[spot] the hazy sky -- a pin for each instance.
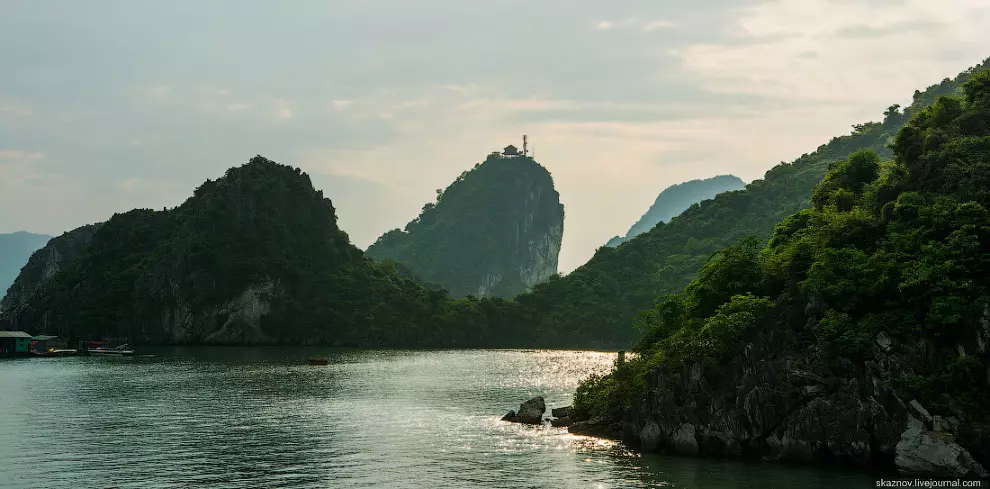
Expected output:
(110, 105)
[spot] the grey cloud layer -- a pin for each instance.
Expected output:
(107, 105)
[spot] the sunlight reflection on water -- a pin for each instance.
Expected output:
(260, 417)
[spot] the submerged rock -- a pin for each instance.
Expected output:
(560, 422)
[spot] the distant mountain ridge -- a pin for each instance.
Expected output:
(494, 232)
(15, 249)
(675, 199)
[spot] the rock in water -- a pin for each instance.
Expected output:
(531, 411)
(922, 452)
(494, 232)
(597, 426)
(561, 412)
(559, 422)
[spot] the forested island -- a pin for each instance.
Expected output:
(494, 232)
(857, 335)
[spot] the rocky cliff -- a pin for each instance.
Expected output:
(781, 400)
(44, 265)
(15, 250)
(495, 231)
(253, 257)
(675, 199)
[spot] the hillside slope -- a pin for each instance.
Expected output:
(675, 199)
(594, 305)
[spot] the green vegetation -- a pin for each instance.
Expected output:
(595, 304)
(161, 276)
(481, 225)
(675, 199)
(145, 273)
(896, 248)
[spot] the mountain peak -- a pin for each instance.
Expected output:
(494, 231)
(677, 198)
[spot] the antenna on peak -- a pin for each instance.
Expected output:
(525, 145)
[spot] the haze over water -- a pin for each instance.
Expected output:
(259, 417)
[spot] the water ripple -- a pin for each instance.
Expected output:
(255, 417)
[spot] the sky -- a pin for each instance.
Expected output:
(110, 105)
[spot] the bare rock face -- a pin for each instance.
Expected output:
(43, 265)
(922, 452)
(776, 401)
(599, 427)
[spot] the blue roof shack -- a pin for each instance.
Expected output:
(14, 343)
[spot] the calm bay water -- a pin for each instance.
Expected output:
(259, 417)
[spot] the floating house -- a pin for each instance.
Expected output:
(14, 343)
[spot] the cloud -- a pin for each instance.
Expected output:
(407, 99)
(18, 167)
(283, 111)
(158, 92)
(222, 92)
(14, 110)
(658, 24)
(863, 51)
(236, 106)
(635, 23)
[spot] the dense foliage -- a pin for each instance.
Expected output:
(480, 226)
(264, 223)
(142, 271)
(595, 304)
(675, 199)
(897, 251)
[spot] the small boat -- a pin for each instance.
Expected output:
(122, 350)
(55, 353)
(318, 361)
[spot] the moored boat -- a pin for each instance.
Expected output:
(318, 361)
(122, 350)
(55, 353)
